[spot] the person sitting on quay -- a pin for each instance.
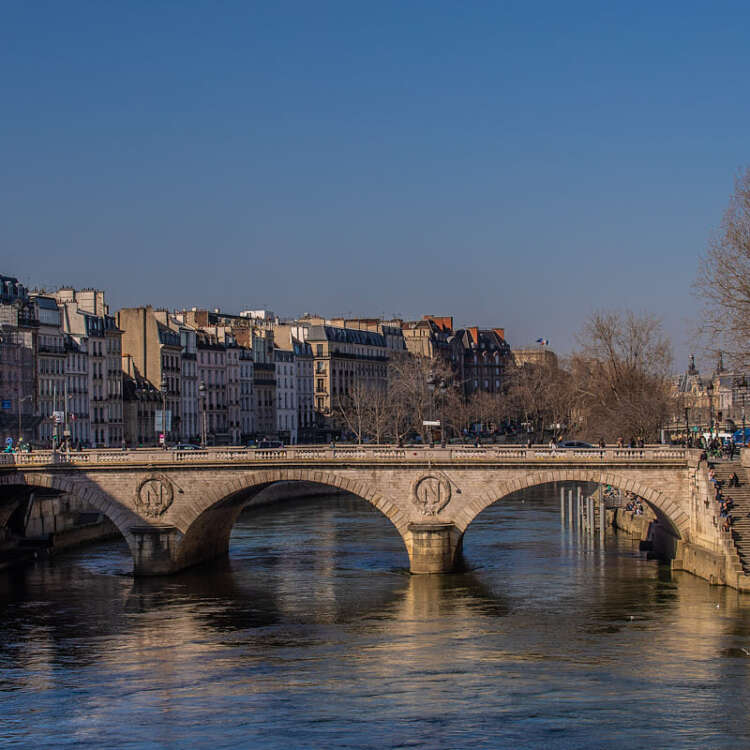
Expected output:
(734, 480)
(727, 525)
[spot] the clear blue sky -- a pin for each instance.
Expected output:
(513, 163)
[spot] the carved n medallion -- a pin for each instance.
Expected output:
(154, 495)
(431, 494)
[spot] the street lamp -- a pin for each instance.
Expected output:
(20, 401)
(741, 384)
(438, 388)
(687, 429)
(710, 393)
(164, 385)
(202, 391)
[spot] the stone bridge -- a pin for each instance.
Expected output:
(177, 508)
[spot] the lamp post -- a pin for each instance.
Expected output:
(687, 429)
(710, 393)
(741, 385)
(438, 387)
(442, 388)
(163, 387)
(202, 391)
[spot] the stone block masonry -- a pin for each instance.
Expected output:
(177, 509)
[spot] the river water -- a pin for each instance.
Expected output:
(313, 635)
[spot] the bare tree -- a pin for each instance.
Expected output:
(351, 410)
(723, 282)
(364, 410)
(412, 393)
(377, 412)
(539, 395)
(487, 409)
(622, 376)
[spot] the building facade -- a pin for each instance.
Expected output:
(155, 347)
(86, 320)
(50, 371)
(341, 358)
(18, 394)
(286, 395)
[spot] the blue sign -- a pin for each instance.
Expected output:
(9, 441)
(6, 403)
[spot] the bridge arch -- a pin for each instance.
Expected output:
(665, 508)
(88, 492)
(206, 533)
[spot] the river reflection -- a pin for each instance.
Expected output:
(313, 634)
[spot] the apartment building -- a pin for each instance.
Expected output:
(155, 349)
(286, 395)
(18, 394)
(85, 319)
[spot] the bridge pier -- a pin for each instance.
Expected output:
(433, 547)
(155, 550)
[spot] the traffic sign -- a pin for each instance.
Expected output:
(6, 403)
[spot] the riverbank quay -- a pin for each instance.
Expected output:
(724, 565)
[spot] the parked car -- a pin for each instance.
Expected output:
(270, 444)
(186, 447)
(575, 444)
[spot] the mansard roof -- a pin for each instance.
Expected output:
(346, 336)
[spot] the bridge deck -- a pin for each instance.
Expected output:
(507, 455)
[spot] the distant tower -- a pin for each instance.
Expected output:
(692, 370)
(720, 364)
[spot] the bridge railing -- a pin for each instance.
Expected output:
(302, 453)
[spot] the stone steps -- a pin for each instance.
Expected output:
(740, 512)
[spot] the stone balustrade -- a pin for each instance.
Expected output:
(385, 453)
